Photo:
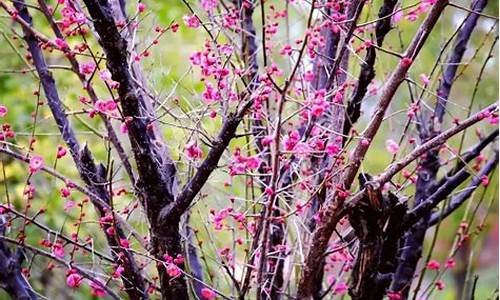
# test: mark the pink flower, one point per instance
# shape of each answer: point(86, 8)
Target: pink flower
point(105, 105)
point(124, 128)
point(302, 150)
point(196, 58)
point(291, 140)
point(4, 208)
point(141, 7)
point(392, 146)
point(267, 140)
point(192, 21)
point(65, 192)
point(69, 205)
point(493, 120)
point(425, 79)
point(365, 142)
point(339, 97)
point(450, 263)
point(208, 294)
point(35, 164)
point(252, 162)
point(406, 62)
point(124, 243)
point(100, 105)
point(105, 75)
point(173, 270)
point(485, 180)
point(61, 44)
point(58, 250)
point(340, 288)
point(118, 272)
point(61, 151)
point(332, 149)
point(412, 17)
point(209, 5)
point(87, 68)
point(394, 295)
point(433, 265)
point(110, 105)
point(192, 151)
point(286, 50)
point(3, 111)
point(397, 16)
point(97, 287)
point(210, 94)
point(73, 280)
point(440, 285)
point(309, 76)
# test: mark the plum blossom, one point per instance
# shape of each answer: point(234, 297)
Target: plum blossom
point(87, 68)
point(69, 205)
point(291, 140)
point(58, 250)
point(398, 15)
point(118, 272)
point(124, 243)
point(105, 106)
point(340, 288)
point(61, 44)
point(208, 294)
point(493, 120)
point(433, 265)
point(440, 285)
point(61, 151)
point(193, 151)
point(332, 149)
point(211, 94)
point(209, 5)
point(3, 111)
point(394, 295)
point(302, 150)
point(73, 280)
point(406, 61)
point(319, 103)
point(425, 79)
point(485, 180)
point(309, 76)
point(192, 21)
point(392, 146)
point(97, 288)
point(124, 128)
point(35, 164)
point(105, 75)
point(141, 7)
point(450, 263)
point(286, 50)
point(173, 270)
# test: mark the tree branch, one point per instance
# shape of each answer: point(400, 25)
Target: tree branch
point(82, 157)
point(466, 193)
point(11, 278)
point(330, 212)
point(429, 165)
point(367, 73)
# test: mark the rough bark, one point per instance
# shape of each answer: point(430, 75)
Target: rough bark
point(367, 72)
point(11, 278)
point(331, 212)
point(92, 175)
point(429, 166)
